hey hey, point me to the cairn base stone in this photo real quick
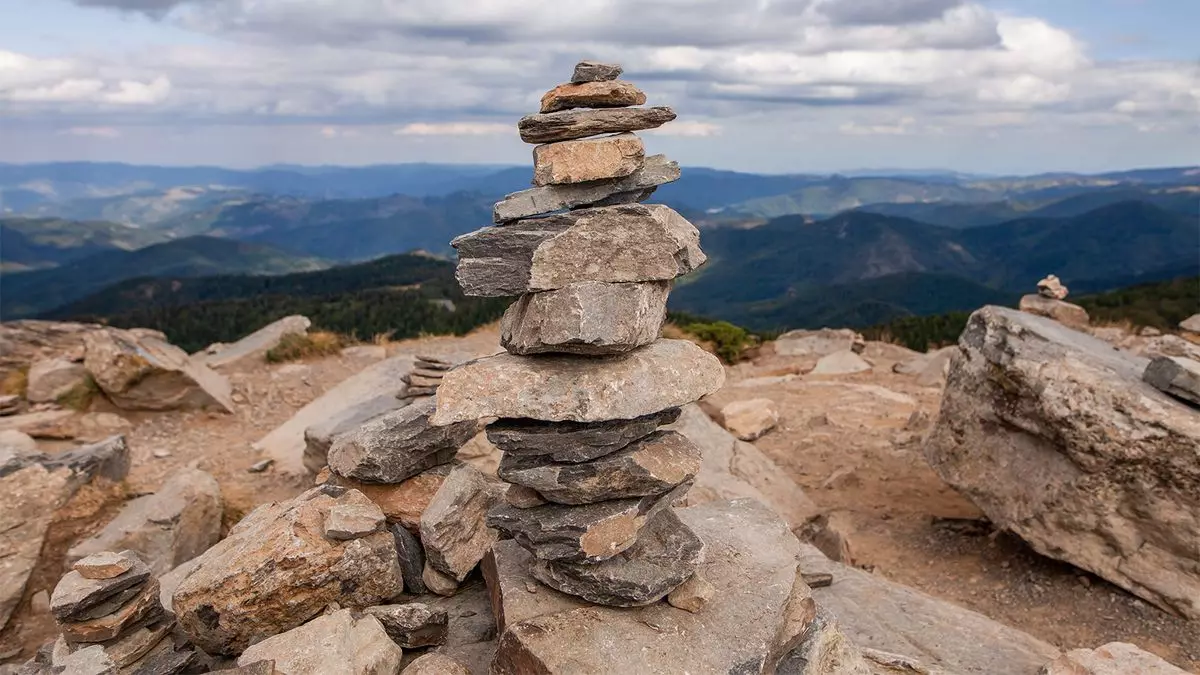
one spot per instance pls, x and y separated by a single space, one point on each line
667 552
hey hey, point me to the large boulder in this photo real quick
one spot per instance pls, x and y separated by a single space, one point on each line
23 342
168 528
277 569
1055 436
142 371
665 374
334 643
254 347
51 379
33 487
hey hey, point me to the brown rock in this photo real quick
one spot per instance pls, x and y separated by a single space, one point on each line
1114 658
749 420
522 497
587 160
140 371
333 643
650 466
569 125
105 565
454 528
74 597
693 595
602 94
401 503
351 521
133 645
142 608
1062 312
594 71
49 379
437 582
276 569
413 625
590 317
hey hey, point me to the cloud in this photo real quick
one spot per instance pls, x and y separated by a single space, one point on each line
93 132
150 7
687 128
898 128
454 129
884 12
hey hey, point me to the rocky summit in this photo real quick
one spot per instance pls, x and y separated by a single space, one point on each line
587 380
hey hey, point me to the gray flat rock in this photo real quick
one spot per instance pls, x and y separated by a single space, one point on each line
573 441
398 445
594 71
656 170
1176 376
615 244
651 466
667 552
589 318
319 437
569 125
590 533
665 374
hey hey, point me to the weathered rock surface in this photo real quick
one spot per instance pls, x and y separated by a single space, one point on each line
746 628
1191 324
105 565
14 443
1052 288
749 420
590 317
320 436
76 598
647 467
133 645
454 529
878 614
398 445
733 469
139 371
435 664
655 171
437 582
824 648
1040 426
254 347
666 553
590 533
167 528
32 487
401 503
573 441
414 625
594 71
692 595
1114 658
665 374
276 570
25 341
141 609
351 521
286 444
523 497
587 159
334 643
1177 376
840 363
816 342
569 125
412 559
615 244
50 379
1062 312
592 94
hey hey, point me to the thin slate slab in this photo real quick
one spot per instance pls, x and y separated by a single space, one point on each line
74 594
573 441
666 374
105 565
398 445
614 244
656 170
569 125
583 534
650 466
590 318
602 94
666 554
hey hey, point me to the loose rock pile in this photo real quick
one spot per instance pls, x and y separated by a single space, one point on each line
593 477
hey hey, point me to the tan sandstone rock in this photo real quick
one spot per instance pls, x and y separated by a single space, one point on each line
1062 312
334 643
603 94
1114 658
587 160
749 420
140 371
50 379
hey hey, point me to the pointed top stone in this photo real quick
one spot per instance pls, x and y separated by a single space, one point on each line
594 71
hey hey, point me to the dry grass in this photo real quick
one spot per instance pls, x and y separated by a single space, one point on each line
296 346
15 382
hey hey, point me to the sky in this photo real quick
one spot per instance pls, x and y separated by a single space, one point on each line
992 86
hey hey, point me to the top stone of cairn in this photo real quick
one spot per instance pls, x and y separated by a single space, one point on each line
592 71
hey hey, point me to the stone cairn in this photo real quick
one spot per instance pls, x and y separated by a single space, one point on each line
110 617
586 382
425 377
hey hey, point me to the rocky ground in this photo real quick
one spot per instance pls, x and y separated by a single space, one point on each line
851 440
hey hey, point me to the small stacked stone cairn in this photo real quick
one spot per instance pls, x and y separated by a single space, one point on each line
1049 301
425 377
587 382
110 602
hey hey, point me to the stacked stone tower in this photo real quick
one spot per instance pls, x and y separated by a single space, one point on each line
587 382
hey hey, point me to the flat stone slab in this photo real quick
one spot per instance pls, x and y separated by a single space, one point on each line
569 125
590 533
1061 311
665 374
877 614
656 170
1176 376
666 554
587 159
595 94
594 71
650 466
573 441
757 613
590 318
398 445
254 347
105 565
75 595
614 244
333 643
1114 658
319 437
